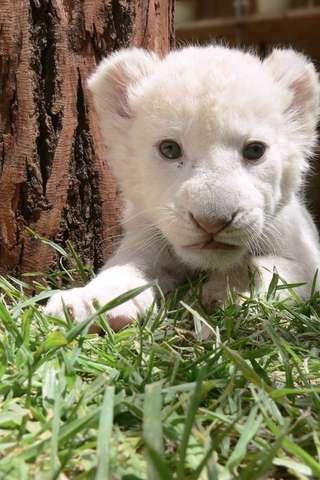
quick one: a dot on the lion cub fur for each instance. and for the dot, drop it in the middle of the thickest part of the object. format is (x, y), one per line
(211, 101)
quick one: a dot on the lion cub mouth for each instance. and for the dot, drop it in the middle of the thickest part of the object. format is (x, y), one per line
(211, 244)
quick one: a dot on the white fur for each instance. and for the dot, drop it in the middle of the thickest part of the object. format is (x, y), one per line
(211, 100)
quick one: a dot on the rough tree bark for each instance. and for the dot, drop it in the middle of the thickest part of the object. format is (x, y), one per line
(53, 175)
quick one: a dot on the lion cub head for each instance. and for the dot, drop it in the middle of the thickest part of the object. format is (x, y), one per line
(210, 142)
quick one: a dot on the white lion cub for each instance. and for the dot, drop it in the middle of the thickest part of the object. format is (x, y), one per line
(210, 146)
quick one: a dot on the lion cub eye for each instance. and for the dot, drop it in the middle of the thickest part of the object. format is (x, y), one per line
(253, 150)
(170, 149)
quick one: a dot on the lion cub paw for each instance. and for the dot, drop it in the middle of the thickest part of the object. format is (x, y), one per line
(81, 302)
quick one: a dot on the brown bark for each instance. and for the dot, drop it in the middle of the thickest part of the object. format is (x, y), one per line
(53, 174)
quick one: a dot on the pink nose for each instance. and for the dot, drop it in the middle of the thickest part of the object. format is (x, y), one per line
(214, 226)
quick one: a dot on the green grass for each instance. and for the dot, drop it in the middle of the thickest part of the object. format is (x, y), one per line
(154, 400)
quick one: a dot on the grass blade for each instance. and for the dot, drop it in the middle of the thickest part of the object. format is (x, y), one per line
(190, 416)
(80, 327)
(55, 463)
(302, 455)
(104, 435)
(152, 429)
(246, 370)
(250, 429)
(160, 469)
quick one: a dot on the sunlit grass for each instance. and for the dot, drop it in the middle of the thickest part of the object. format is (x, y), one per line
(155, 400)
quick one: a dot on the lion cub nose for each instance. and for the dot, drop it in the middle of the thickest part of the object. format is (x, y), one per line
(213, 226)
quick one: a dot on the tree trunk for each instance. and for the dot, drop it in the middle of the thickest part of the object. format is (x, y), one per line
(53, 175)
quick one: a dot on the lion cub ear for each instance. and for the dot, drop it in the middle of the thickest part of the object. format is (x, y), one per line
(296, 73)
(114, 76)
